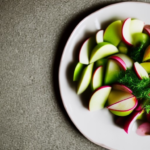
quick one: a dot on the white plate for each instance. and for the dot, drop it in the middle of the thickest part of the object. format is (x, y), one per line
(98, 126)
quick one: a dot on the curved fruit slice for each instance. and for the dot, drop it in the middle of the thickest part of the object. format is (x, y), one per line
(116, 96)
(99, 36)
(97, 78)
(132, 118)
(121, 87)
(147, 54)
(119, 61)
(102, 50)
(140, 38)
(77, 72)
(112, 33)
(128, 61)
(146, 66)
(101, 62)
(123, 48)
(147, 29)
(99, 98)
(86, 49)
(85, 79)
(112, 71)
(140, 71)
(124, 105)
(129, 28)
(143, 129)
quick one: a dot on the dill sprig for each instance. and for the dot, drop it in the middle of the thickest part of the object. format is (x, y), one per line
(140, 88)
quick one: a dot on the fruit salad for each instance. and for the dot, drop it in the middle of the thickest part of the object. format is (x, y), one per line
(115, 65)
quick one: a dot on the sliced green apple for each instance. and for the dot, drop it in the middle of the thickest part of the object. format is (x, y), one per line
(121, 103)
(147, 54)
(86, 49)
(101, 62)
(123, 48)
(99, 36)
(102, 50)
(112, 71)
(129, 28)
(128, 61)
(77, 72)
(146, 66)
(85, 79)
(140, 71)
(99, 98)
(112, 33)
(97, 78)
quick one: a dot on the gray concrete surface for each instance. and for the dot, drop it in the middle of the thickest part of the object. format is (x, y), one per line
(32, 37)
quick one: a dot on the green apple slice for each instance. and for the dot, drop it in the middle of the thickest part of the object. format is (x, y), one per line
(117, 97)
(146, 66)
(86, 49)
(97, 78)
(102, 50)
(85, 79)
(101, 62)
(113, 33)
(123, 48)
(112, 71)
(128, 61)
(77, 72)
(99, 98)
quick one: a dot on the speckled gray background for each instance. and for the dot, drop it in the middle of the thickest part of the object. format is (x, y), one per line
(32, 37)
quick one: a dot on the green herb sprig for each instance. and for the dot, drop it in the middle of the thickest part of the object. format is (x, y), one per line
(140, 88)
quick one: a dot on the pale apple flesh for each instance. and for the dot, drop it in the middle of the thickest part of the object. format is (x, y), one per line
(99, 98)
(99, 36)
(146, 66)
(85, 79)
(97, 79)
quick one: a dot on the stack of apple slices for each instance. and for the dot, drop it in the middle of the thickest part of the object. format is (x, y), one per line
(103, 57)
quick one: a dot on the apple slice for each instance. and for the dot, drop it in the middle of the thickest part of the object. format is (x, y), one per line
(99, 98)
(99, 36)
(86, 49)
(143, 129)
(97, 78)
(146, 56)
(129, 28)
(132, 118)
(123, 48)
(112, 71)
(121, 103)
(101, 62)
(147, 29)
(146, 66)
(85, 79)
(121, 87)
(140, 71)
(102, 50)
(124, 105)
(112, 33)
(77, 72)
(128, 61)
(119, 61)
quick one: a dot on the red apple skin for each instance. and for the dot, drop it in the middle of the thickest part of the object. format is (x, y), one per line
(148, 117)
(121, 87)
(137, 72)
(123, 38)
(147, 29)
(129, 120)
(144, 129)
(119, 61)
(136, 103)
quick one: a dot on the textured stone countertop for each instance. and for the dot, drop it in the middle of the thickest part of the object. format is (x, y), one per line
(33, 34)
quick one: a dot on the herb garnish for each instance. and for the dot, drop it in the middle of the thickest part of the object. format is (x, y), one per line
(140, 88)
